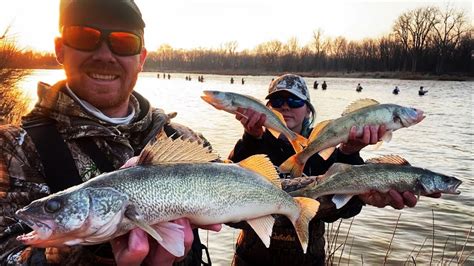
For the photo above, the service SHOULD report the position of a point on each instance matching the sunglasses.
(89, 39)
(292, 102)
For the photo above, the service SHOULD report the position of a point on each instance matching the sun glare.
(33, 23)
(212, 23)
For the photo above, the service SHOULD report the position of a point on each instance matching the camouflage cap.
(76, 12)
(291, 83)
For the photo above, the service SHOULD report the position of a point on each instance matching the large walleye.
(381, 174)
(330, 133)
(173, 179)
(275, 123)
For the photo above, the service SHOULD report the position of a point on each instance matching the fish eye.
(52, 205)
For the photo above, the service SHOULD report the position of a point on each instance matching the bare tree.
(447, 34)
(317, 42)
(413, 28)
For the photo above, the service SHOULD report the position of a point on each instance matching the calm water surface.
(443, 142)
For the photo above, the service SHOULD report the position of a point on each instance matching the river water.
(443, 142)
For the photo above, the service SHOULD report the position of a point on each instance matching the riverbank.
(334, 74)
(330, 74)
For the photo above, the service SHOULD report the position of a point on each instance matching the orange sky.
(211, 23)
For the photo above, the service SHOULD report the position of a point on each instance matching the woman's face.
(294, 117)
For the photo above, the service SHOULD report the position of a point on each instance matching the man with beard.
(90, 123)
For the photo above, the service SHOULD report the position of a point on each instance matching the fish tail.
(309, 208)
(293, 166)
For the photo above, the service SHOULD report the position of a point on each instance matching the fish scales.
(172, 179)
(329, 134)
(345, 179)
(166, 192)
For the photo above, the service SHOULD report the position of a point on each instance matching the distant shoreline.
(329, 74)
(370, 75)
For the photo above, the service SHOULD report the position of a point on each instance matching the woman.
(289, 95)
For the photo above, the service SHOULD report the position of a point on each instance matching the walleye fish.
(275, 123)
(381, 174)
(328, 134)
(173, 179)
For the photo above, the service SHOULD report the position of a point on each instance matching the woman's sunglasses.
(292, 102)
(89, 39)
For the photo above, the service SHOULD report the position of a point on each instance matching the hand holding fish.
(392, 198)
(251, 120)
(398, 200)
(130, 249)
(371, 134)
(135, 247)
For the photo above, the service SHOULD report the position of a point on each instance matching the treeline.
(425, 40)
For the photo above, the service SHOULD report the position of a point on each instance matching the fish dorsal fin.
(275, 133)
(389, 159)
(358, 105)
(337, 168)
(317, 130)
(166, 150)
(262, 165)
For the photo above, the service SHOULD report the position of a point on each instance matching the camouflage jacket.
(22, 177)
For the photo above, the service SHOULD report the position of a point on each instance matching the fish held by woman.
(330, 133)
(380, 174)
(275, 123)
(173, 179)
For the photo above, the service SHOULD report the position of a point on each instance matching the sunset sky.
(210, 23)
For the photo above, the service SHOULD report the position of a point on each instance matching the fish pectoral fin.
(172, 237)
(341, 199)
(134, 215)
(263, 227)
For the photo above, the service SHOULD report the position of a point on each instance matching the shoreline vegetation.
(425, 43)
(335, 74)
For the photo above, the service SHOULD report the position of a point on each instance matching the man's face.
(101, 77)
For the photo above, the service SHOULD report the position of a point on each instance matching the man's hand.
(392, 198)
(130, 249)
(252, 121)
(136, 247)
(370, 135)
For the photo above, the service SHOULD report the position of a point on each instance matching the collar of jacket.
(74, 122)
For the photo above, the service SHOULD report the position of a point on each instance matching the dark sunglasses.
(292, 102)
(89, 39)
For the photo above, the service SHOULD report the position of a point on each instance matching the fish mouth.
(41, 230)
(455, 188)
(210, 98)
(420, 116)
